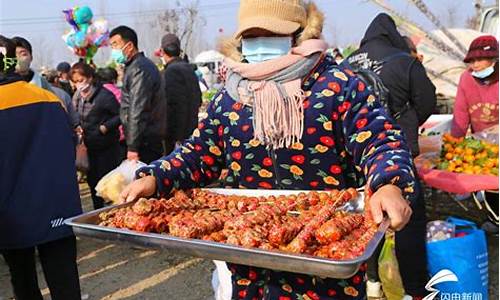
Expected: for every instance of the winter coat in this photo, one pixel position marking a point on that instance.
(38, 186)
(118, 95)
(68, 104)
(347, 138)
(344, 127)
(143, 107)
(38, 80)
(476, 105)
(183, 95)
(411, 92)
(100, 109)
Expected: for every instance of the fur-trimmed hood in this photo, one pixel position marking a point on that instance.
(230, 47)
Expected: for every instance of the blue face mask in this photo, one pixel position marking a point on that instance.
(484, 73)
(118, 56)
(260, 49)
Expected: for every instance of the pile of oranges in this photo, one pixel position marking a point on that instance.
(469, 156)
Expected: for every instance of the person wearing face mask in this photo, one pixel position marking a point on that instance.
(24, 53)
(476, 103)
(143, 106)
(63, 79)
(289, 117)
(38, 187)
(99, 122)
(182, 92)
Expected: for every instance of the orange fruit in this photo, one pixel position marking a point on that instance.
(469, 158)
(459, 150)
(449, 156)
(494, 149)
(489, 164)
(469, 151)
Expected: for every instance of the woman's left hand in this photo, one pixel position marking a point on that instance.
(103, 129)
(389, 199)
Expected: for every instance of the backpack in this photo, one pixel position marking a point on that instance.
(376, 86)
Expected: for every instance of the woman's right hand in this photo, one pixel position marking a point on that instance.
(143, 187)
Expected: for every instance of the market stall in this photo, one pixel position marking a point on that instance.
(457, 166)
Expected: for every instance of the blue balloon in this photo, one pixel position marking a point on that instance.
(82, 15)
(70, 40)
(80, 39)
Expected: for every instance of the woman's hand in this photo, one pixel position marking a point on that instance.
(389, 199)
(143, 187)
(103, 129)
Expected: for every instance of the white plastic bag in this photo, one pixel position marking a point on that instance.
(111, 185)
(221, 281)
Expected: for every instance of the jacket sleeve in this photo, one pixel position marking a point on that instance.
(197, 163)
(461, 118)
(113, 108)
(73, 115)
(375, 141)
(423, 92)
(141, 91)
(175, 93)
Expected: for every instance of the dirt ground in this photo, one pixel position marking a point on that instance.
(118, 271)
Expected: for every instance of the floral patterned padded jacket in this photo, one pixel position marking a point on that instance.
(347, 138)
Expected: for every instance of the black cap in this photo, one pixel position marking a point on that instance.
(23, 43)
(63, 67)
(169, 40)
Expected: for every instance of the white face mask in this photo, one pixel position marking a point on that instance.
(260, 49)
(485, 73)
(163, 61)
(23, 64)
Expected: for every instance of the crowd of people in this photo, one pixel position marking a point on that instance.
(284, 103)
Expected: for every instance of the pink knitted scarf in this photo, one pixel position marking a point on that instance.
(273, 89)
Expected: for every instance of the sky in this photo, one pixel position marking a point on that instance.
(42, 21)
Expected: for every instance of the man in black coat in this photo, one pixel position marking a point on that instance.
(412, 100)
(182, 92)
(143, 108)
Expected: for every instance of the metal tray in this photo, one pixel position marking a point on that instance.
(86, 225)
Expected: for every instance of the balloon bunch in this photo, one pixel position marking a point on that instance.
(86, 36)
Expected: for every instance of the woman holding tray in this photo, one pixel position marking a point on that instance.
(289, 117)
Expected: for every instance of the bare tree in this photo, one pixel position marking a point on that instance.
(451, 15)
(42, 53)
(474, 20)
(185, 22)
(420, 4)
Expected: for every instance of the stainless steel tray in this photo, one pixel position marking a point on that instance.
(86, 225)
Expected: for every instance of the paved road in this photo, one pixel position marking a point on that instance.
(116, 271)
